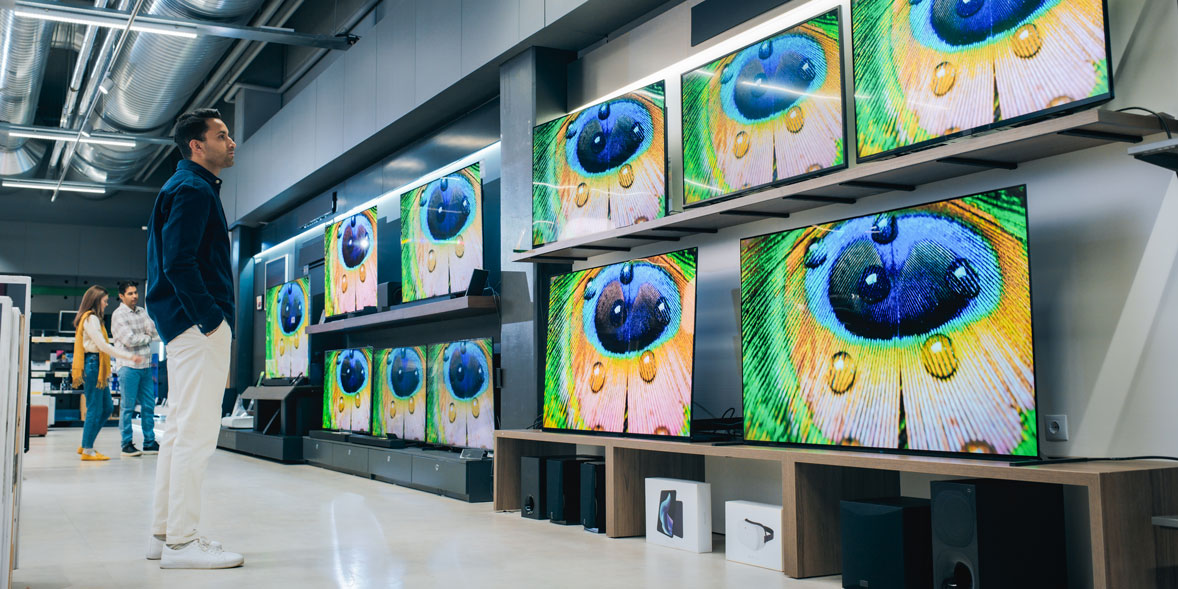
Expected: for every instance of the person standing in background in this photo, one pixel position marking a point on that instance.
(190, 298)
(91, 367)
(133, 331)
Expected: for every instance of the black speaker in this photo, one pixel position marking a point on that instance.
(532, 485)
(998, 534)
(593, 496)
(564, 489)
(887, 543)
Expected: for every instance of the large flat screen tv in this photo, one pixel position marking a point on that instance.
(288, 310)
(350, 264)
(766, 114)
(904, 330)
(461, 394)
(347, 390)
(600, 168)
(441, 235)
(926, 71)
(621, 347)
(398, 401)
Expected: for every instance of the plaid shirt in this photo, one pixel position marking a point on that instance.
(132, 331)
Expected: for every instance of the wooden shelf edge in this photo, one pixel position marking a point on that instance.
(1106, 124)
(410, 315)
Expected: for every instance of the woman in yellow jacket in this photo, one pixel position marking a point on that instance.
(91, 368)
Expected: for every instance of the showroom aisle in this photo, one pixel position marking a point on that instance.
(85, 524)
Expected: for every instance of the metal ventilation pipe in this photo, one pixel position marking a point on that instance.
(24, 47)
(153, 77)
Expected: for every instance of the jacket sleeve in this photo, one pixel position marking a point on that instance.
(94, 333)
(122, 332)
(181, 235)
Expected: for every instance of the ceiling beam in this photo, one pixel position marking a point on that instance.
(166, 25)
(72, 134)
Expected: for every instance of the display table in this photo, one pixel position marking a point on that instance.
(1127, 549)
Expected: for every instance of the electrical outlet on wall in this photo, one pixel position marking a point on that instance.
(1056, 428)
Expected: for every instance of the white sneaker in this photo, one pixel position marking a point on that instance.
(200, 554)
(155, 547)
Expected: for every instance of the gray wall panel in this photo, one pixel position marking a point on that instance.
(302, 121)
(489, 27)
(395, 62)
(438, 51)
(531, 17)
(359, 91)
(554, 9)
(329, 113)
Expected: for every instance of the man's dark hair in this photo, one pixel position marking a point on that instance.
(192, 125)
(124, 285)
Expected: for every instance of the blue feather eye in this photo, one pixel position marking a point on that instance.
(959, 23)
(767, 79)
(356, 243)
(885, 278)
(404, 372)
(608, 136)
(466, 370)
(449, 204)
(631, 307)
(290, 305)
(353, 371)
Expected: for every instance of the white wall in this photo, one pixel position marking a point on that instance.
(1102, 243)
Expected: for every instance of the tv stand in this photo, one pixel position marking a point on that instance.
(1122, 497)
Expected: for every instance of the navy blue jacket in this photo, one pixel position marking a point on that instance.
(189, 272)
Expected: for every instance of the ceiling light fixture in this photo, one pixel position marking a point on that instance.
(175, 31)
(72, 138)
(52, 186)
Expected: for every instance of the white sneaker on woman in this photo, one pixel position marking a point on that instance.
(200, 554)
(155, 547)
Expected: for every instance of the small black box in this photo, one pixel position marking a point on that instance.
(593, 496)
(887, 543)
(564, 489)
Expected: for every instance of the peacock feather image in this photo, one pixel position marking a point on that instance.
(350, 267)
(461, 394)
(287, 309)
(441, 235)
(909, 329)
(347, 390)
(928, 69)
(621, 345)
(600, 168)
(398, 399)
(767, 113)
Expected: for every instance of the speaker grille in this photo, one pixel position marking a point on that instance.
(954, 518)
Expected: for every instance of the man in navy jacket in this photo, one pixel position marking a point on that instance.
(190, 298)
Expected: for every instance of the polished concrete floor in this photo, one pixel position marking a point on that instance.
(85, 525)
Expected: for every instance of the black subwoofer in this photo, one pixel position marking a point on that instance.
(887, 543)
(593, 496)
(532, 487)
(564, 489)
(998, 534)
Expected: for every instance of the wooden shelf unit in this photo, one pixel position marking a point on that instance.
(1127, 549)
(410, 314)
(1002, 149)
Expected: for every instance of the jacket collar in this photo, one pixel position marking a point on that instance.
(199, 170)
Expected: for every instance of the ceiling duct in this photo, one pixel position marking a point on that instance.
(153, 77)
(24, 44)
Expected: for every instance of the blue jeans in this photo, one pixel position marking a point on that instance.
(136, 388)
(99, 405)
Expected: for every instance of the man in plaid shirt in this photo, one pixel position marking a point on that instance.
(132, 330)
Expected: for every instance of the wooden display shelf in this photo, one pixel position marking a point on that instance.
(1002, 149)
(409, 314)
(1127, 549)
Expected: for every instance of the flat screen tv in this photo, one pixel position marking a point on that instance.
(600, 168)
(621, 347)
(347, 390)
(461, 394)
(399, 397)
(441, 235)
(350, 264)
(907, 330)
(288, 310)
(927, 71)
(767, 114)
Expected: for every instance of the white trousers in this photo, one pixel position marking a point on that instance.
(198, 367)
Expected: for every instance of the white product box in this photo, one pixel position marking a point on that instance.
(679, 514)
(752, 533)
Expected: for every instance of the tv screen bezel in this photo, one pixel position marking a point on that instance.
(838, 11)
(1049, 112)
(666, 161)
(903, 451)
(694, 337)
